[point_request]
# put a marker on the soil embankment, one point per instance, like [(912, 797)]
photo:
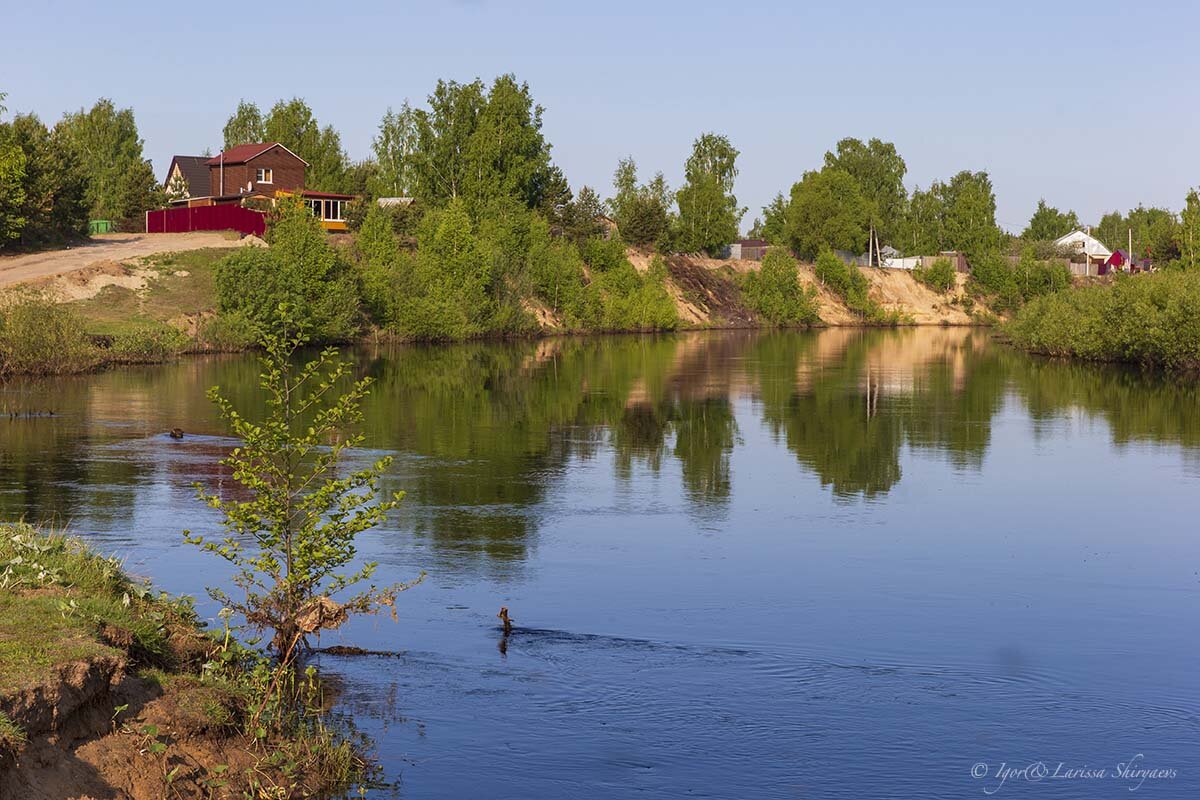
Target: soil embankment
[(707, 293), (103, 691)]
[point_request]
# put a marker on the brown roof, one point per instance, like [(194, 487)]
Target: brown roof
[(242, 153), (194, 171)]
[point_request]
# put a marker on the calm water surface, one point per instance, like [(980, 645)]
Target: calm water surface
[(841, 564)]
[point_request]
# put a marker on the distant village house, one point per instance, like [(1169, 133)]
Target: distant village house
[(240, 176)]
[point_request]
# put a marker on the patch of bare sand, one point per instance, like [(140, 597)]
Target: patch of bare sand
[(86, 283)]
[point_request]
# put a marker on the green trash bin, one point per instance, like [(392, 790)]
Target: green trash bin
[(101, 226)]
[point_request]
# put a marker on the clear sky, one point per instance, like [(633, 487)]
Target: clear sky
[(1093, 105)]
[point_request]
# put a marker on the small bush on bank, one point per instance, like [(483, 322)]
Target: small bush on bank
[(849, 283), (625, 299), (1011, 286), (148, 345), (775, 294), (228, 333), (39, 336), (1145, 319), (938, 276)]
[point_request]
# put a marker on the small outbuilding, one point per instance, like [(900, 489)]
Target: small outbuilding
[(1088, 253)]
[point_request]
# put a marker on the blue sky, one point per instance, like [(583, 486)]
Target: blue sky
[(1093, 105)]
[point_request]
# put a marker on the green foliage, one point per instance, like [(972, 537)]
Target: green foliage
[(775, 294), (1035, 277), (849, 283), (629, 300), (1048, 223), (938, 276), (774, 222), (299, 269), (480, 146), (879, 171), (1146, 319), (148, 344), (394, 147), (641, 211), (229, 333), (40, 336), (292, 540), (245, 126), (827, 210), (1189, 233), (12, 188), (1012, 285), (293, 125), (708, 211), (959, 215), (120, 181), (555, 270)]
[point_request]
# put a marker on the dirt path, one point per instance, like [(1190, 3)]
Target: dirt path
[(105, 248)]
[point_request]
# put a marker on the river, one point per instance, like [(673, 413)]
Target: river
[(837, 564)]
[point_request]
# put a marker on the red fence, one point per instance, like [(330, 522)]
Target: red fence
[(206, 218)]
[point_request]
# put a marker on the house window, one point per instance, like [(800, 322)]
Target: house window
[(263, 175), (333, 210), (315, 207)]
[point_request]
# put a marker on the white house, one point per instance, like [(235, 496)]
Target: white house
[(1090, 246)]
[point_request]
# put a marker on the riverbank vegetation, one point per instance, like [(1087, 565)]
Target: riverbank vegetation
[(149, 702), (1152, 320)]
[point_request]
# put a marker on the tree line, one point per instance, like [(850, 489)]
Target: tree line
[(53, 180)]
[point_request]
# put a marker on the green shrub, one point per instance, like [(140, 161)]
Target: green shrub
[(622, 299), (230, 333), (938, 276), (41, 336), (849, 283), (555, 271), (300, 270), (775, 294), (148, 344), (1146, 319), (1035, 278)]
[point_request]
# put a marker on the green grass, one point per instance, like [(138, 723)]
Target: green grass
[(11, 735), (59, 603), (117, 310)]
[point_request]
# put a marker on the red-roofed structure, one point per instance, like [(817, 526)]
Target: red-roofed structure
[(262, 172)]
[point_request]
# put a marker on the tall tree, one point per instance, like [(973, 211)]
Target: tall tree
[(12, 188), (444, 133), (292, 124), (923, 231), (1049, 223), (394, 147), (106, 142), (507, 156), (1155, 233), (827, 209), (641, 211), (245, 126), (774, 220), (708, 210), (879, 171), (1189, 239), (55, 188), (970, 224), (483, 146), (1112, 230)]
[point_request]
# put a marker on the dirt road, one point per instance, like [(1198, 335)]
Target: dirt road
[(105, 248)]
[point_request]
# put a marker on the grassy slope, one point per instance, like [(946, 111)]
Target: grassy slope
[(167, 296), (59, 603)]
